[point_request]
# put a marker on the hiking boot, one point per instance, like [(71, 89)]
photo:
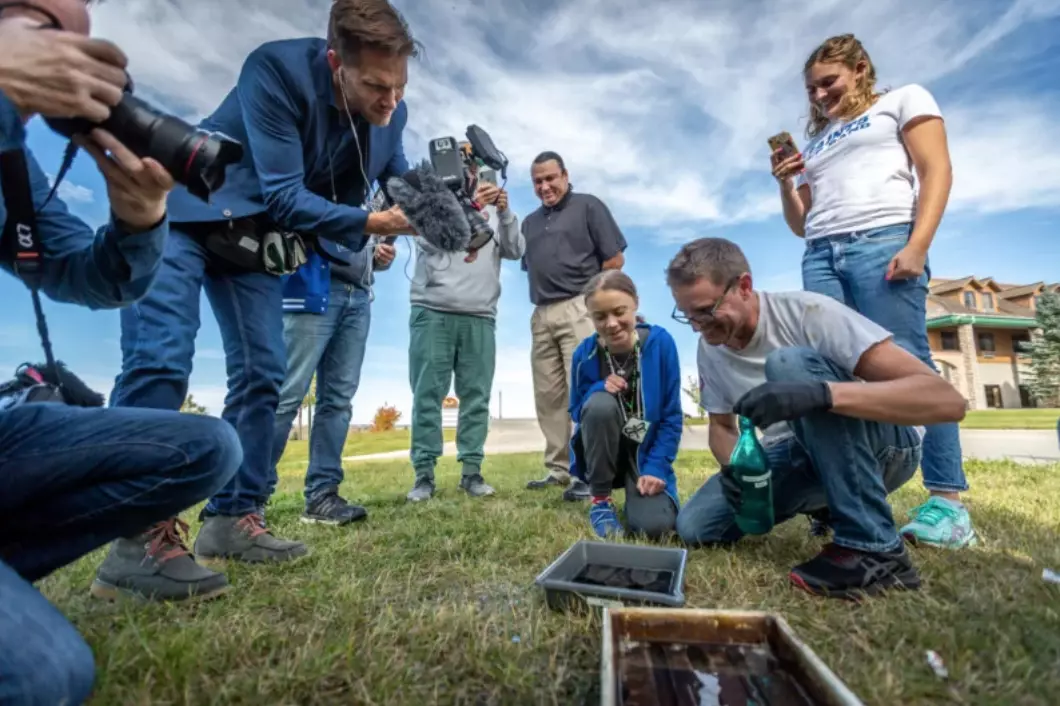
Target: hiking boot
[(330, 508), (156, 565), (577, 492), (475, 486), (838, 572), (604, 519), (548, 481), (246, 539), (940, 523), (204, 513)]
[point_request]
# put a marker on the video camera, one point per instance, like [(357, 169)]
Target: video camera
[(453, 162), (194, 157)]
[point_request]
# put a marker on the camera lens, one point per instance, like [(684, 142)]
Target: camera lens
[(193, 157)]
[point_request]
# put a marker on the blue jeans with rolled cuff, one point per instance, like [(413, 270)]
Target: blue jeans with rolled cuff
[(71, 480), (846, 465), (851, 268)]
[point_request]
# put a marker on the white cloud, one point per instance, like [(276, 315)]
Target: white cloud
[(72, 193), (661, 113), (664, 113)]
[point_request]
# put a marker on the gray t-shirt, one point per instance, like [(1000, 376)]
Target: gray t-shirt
[(566, 245), (785, 320)]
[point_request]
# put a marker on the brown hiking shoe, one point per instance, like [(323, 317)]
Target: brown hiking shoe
[(244, 539), (156, 565)]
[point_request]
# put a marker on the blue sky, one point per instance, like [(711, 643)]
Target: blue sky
[(664, 114)]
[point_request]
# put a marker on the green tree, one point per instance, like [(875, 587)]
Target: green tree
[(190, 406), (693, 394), (1044, 350)]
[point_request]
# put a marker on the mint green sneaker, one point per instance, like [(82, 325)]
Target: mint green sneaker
[(940, 523)]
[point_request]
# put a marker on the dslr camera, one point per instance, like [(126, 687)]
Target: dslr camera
[(453, 161), (193, 157)]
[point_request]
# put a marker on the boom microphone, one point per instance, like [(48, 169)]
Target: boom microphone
[(432, 208)]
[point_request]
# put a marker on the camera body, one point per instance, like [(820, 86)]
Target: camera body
[(457, 164), (195, 158)]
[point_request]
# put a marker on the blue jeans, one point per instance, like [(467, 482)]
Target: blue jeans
[(850, 268), (72, 480), (846, 465), (158, 343), (331, 345)]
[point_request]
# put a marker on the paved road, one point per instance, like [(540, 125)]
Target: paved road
[(519, 436)]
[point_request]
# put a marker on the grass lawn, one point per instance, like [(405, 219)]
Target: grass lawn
[(435, 603), (988, 419), (1011, 419)]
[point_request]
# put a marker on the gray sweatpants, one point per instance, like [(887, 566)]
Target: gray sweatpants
[(611, 462)]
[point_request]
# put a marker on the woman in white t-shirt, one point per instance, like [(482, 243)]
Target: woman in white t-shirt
[(851, 195)]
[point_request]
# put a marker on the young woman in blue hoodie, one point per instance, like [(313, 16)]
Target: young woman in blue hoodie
[(626, 405)]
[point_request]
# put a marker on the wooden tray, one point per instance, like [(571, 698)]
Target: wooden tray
[(624, 626)]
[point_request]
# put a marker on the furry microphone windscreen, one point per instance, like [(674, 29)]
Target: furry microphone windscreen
[(431, 207)]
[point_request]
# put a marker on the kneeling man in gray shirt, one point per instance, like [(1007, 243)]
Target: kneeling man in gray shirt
[(842, 407)]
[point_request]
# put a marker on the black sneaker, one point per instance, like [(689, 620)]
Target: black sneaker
[(577, 492), (330, 508), (838, 572)]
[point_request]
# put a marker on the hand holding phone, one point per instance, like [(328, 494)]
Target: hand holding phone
[(785, 157)]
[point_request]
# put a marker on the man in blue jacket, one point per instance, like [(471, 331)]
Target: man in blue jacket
[(72, 478), (319, 121), (327, 312)]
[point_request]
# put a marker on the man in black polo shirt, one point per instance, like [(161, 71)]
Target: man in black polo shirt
[(570, 238)]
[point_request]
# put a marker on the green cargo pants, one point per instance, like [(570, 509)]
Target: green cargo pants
[(449, 348)]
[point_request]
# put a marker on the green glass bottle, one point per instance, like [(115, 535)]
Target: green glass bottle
[(750, 467)]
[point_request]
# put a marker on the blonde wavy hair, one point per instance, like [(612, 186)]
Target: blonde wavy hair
[(847, 50)]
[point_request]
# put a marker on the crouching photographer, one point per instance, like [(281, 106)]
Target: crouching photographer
[(75, 475)]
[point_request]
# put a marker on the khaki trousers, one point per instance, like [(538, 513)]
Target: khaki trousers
[(557, 329)]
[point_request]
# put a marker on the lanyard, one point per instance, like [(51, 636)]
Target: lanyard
[(638, 399)]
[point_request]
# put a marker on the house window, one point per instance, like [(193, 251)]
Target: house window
[(1026, 398), (969, 300), (986, 345), (988, 301), (950, 341), (993, 396), (1021, 343)]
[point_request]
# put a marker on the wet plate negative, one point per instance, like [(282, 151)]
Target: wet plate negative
[(677, 657)]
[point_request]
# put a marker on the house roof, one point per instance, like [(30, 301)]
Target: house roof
[(1011, 292), (942, 311)]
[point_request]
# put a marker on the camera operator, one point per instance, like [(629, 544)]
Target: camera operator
[(73, 478), (304, 110), (452, 338)]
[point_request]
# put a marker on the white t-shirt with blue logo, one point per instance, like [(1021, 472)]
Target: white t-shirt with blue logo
[(859, 172)]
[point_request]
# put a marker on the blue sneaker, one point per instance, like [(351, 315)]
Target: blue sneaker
[(940, 523), (604, 519)]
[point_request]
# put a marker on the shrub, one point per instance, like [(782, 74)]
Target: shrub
[(385, 418)]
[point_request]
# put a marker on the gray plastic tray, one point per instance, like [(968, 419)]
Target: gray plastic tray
[(563, 593)]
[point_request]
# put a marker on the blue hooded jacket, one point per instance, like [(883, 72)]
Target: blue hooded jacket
[(661, 385)]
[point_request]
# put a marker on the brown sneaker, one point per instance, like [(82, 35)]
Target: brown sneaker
[(156, 566), (244, 539)]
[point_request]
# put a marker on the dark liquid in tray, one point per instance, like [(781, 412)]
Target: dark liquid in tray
[(661, 674), (622, 577)]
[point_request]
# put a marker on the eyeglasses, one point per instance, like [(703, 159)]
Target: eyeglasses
[(705, 318)]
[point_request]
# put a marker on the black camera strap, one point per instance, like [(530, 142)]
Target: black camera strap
[(20, 241)]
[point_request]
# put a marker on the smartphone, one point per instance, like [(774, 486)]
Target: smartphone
[(783, 141), (487, 175)]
